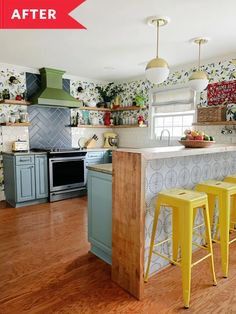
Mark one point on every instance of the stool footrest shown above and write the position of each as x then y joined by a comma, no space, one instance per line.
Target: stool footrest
199,235
166,258
233,240
201,246
162,242
198,226
201,259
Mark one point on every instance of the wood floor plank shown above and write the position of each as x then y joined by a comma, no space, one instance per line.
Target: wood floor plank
46,267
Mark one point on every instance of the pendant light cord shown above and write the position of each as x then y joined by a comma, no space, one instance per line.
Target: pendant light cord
158,38
199,55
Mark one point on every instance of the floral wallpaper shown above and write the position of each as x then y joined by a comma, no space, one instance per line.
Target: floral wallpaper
217,72
6,110
179,172
89,96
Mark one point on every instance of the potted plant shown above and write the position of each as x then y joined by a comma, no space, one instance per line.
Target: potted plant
139,100
108,93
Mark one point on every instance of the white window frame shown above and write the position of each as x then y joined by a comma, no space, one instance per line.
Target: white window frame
153,115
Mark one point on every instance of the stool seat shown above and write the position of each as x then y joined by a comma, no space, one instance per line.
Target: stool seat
223,191
215,186
182,195
230,178
184,204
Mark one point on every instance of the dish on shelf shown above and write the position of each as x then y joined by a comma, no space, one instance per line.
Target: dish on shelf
81,142
196,143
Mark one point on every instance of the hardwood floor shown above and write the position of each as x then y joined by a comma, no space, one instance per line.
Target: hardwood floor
45,268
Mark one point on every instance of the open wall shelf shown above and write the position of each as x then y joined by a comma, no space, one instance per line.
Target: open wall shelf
112,110
216,123
15,102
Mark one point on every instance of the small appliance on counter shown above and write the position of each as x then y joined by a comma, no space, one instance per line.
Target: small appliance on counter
20,146
110,140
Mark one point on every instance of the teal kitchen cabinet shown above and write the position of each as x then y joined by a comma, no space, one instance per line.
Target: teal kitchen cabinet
95,158
107,157
25,179
41,176
100,214
25,183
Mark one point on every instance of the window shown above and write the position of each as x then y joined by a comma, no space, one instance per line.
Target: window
172,110
174,123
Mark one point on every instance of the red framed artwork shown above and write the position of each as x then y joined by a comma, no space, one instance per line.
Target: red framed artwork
218,93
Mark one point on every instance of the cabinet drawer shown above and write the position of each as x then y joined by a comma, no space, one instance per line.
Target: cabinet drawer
25,160
94,161
94,155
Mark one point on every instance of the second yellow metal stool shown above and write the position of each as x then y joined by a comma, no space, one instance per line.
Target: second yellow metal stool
184,203
223,191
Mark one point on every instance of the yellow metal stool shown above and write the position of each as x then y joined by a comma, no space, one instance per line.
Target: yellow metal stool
223,191
232,179
183,203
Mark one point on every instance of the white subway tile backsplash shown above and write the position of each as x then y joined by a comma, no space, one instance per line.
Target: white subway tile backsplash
77,133
11,134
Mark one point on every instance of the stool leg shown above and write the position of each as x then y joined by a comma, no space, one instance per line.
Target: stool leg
233,212
175,233
211,206
152,242
194,215
186,218
224,220
209,241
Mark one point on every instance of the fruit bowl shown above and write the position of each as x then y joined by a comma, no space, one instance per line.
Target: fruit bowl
196,143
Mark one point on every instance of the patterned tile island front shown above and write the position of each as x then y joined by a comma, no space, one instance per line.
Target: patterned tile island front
138,176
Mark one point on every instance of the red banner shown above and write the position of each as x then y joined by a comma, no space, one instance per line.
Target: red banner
38,14
217,93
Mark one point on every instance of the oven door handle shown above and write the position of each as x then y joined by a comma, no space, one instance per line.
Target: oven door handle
64,159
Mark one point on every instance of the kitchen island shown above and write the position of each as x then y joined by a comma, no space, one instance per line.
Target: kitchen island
137,177
122,198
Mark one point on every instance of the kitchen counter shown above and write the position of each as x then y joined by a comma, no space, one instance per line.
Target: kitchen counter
138,176
177,151
24,153
41,152
104,168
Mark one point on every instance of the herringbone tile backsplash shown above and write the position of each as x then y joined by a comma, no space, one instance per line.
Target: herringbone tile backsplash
49,126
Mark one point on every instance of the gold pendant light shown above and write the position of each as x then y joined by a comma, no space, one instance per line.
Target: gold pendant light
157,70
198,81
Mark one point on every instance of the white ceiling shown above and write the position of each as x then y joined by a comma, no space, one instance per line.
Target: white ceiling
117,39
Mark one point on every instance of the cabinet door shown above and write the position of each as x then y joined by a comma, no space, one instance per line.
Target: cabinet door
108,157
41,176
100,213
25,183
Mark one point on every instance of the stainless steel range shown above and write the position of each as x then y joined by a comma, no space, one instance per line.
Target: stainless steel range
66,169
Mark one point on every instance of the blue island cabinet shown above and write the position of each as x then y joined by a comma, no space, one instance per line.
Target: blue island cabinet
100,214
25,179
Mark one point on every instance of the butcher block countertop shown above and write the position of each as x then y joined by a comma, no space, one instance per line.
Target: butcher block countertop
105,168
177,151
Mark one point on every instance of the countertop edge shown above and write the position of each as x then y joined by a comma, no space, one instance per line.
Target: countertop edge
178,151
104,168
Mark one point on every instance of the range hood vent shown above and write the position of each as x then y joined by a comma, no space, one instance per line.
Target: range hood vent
52,93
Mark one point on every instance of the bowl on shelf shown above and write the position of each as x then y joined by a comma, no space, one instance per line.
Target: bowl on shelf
196,143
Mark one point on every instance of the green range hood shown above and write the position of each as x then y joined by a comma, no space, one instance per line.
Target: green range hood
52,93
